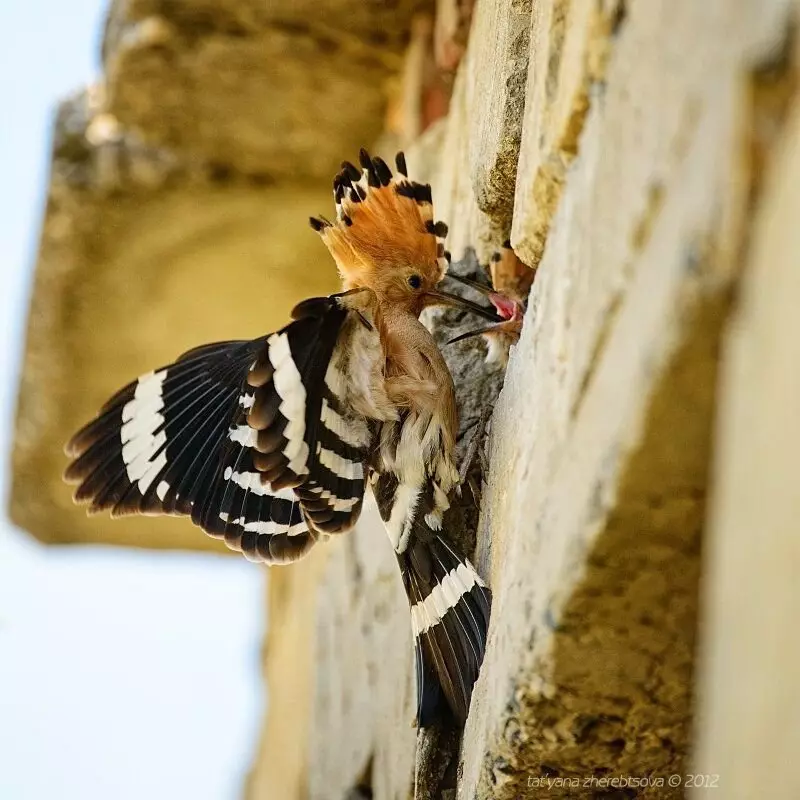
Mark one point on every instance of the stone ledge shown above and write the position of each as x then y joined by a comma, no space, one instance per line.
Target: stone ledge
142,256
177,209
233,83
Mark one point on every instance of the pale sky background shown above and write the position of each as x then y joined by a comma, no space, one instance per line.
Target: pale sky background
124,674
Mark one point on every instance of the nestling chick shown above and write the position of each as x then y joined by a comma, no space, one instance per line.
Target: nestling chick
511,281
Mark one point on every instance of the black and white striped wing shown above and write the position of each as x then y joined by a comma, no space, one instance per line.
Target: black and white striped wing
307,436
164,445
228,435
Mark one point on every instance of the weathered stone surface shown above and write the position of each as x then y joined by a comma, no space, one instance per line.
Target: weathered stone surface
339,664
747,731
235,83
568,46
281,762
470,157
498,68
361,730
142,257
601,439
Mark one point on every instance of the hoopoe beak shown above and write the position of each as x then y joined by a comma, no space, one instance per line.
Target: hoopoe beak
453,300
508,320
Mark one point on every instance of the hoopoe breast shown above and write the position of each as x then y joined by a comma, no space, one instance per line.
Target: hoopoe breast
412,451
415,475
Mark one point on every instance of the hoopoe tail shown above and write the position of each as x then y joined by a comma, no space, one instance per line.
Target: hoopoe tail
450,608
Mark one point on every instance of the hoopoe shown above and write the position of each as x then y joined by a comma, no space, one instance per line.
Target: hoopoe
269,444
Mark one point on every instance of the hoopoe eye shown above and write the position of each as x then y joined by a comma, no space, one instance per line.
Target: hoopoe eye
414,281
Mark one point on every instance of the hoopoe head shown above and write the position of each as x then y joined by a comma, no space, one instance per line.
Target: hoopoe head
384,237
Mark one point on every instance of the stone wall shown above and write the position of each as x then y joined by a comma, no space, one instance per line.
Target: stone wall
640,503
627,149
748,729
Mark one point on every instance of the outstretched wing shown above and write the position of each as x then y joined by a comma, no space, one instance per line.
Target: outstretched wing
302,427
233,435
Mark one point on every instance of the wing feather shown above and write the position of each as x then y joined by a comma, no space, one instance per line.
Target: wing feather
162,445
245,437
308,436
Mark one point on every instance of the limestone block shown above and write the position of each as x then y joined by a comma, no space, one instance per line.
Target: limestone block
568,45
280,761
365,685
747,728
377,24
470,157
498,68
142,258
233,83
601,439
339,668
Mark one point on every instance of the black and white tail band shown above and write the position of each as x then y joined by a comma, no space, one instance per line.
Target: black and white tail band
450,607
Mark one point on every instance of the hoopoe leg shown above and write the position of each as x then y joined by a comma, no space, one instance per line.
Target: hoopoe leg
477,436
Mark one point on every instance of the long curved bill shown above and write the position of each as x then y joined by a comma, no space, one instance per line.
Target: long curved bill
470,334
506,306
445,298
